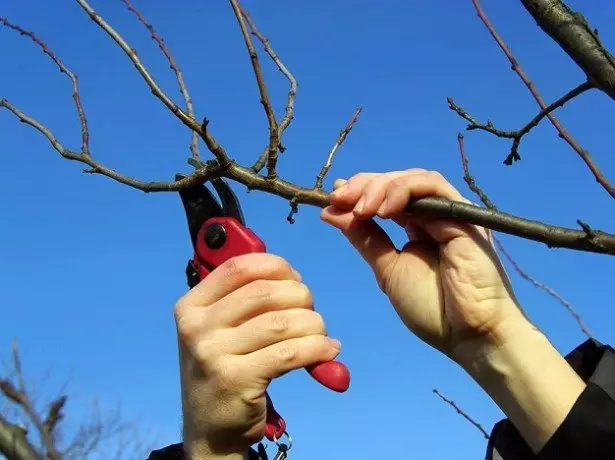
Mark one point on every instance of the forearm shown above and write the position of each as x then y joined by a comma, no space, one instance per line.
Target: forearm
528,378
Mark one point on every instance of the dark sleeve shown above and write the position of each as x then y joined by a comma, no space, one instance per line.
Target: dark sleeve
176,452
588,432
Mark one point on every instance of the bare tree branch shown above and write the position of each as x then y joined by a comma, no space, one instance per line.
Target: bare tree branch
274,139
190,122
14,443
461,412
469,178
19,396
518,134
194,143
340,140
545,288
574,35
583,154
586,239
292,92
85,134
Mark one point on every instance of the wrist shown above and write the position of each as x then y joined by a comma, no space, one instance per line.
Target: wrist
526,377
201,450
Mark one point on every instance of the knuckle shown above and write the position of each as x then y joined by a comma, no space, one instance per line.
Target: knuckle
261,289
278,323
436,176
319,321
288,353
304,294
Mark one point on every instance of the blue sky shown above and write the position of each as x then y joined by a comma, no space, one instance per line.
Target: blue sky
91,269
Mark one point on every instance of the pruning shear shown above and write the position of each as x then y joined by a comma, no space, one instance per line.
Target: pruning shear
218,232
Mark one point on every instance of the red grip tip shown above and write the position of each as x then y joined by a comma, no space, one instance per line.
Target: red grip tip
332,374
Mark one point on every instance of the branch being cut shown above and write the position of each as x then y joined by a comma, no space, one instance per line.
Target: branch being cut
469,178
194,143
583,154
577,38
585,239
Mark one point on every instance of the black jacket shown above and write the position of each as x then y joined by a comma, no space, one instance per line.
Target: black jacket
587,433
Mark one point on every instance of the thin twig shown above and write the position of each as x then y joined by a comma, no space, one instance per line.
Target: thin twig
517,135
274,141
292,92
545,288
469,178
85,134
340,140
215,148
183,88
584,154
462,413
201,175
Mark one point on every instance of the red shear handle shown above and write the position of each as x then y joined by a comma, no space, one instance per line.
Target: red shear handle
239,240
332,374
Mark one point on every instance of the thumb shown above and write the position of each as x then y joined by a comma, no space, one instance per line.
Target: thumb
367,237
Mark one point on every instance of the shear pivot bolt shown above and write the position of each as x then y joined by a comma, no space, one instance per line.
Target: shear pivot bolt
215,236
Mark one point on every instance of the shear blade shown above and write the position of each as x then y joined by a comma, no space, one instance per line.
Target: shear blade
201,205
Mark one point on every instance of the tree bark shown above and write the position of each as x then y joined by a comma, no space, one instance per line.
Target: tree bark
575,36
14,444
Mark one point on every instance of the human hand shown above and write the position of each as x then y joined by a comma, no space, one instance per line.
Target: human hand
250,321
447,283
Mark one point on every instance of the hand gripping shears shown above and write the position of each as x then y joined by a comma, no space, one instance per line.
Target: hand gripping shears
218,232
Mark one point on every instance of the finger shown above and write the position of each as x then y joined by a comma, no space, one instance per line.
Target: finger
402,189
368,238
237,272
348,194
373,193
258,297
273,327
282,357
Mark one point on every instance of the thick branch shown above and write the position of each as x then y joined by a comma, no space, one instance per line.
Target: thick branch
85,134
274,141
190,122
584,154
14,443
183,88
574,35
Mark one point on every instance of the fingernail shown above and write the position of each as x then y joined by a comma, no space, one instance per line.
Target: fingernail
382,207
296,274
338,192
360,205
339,183
335,343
